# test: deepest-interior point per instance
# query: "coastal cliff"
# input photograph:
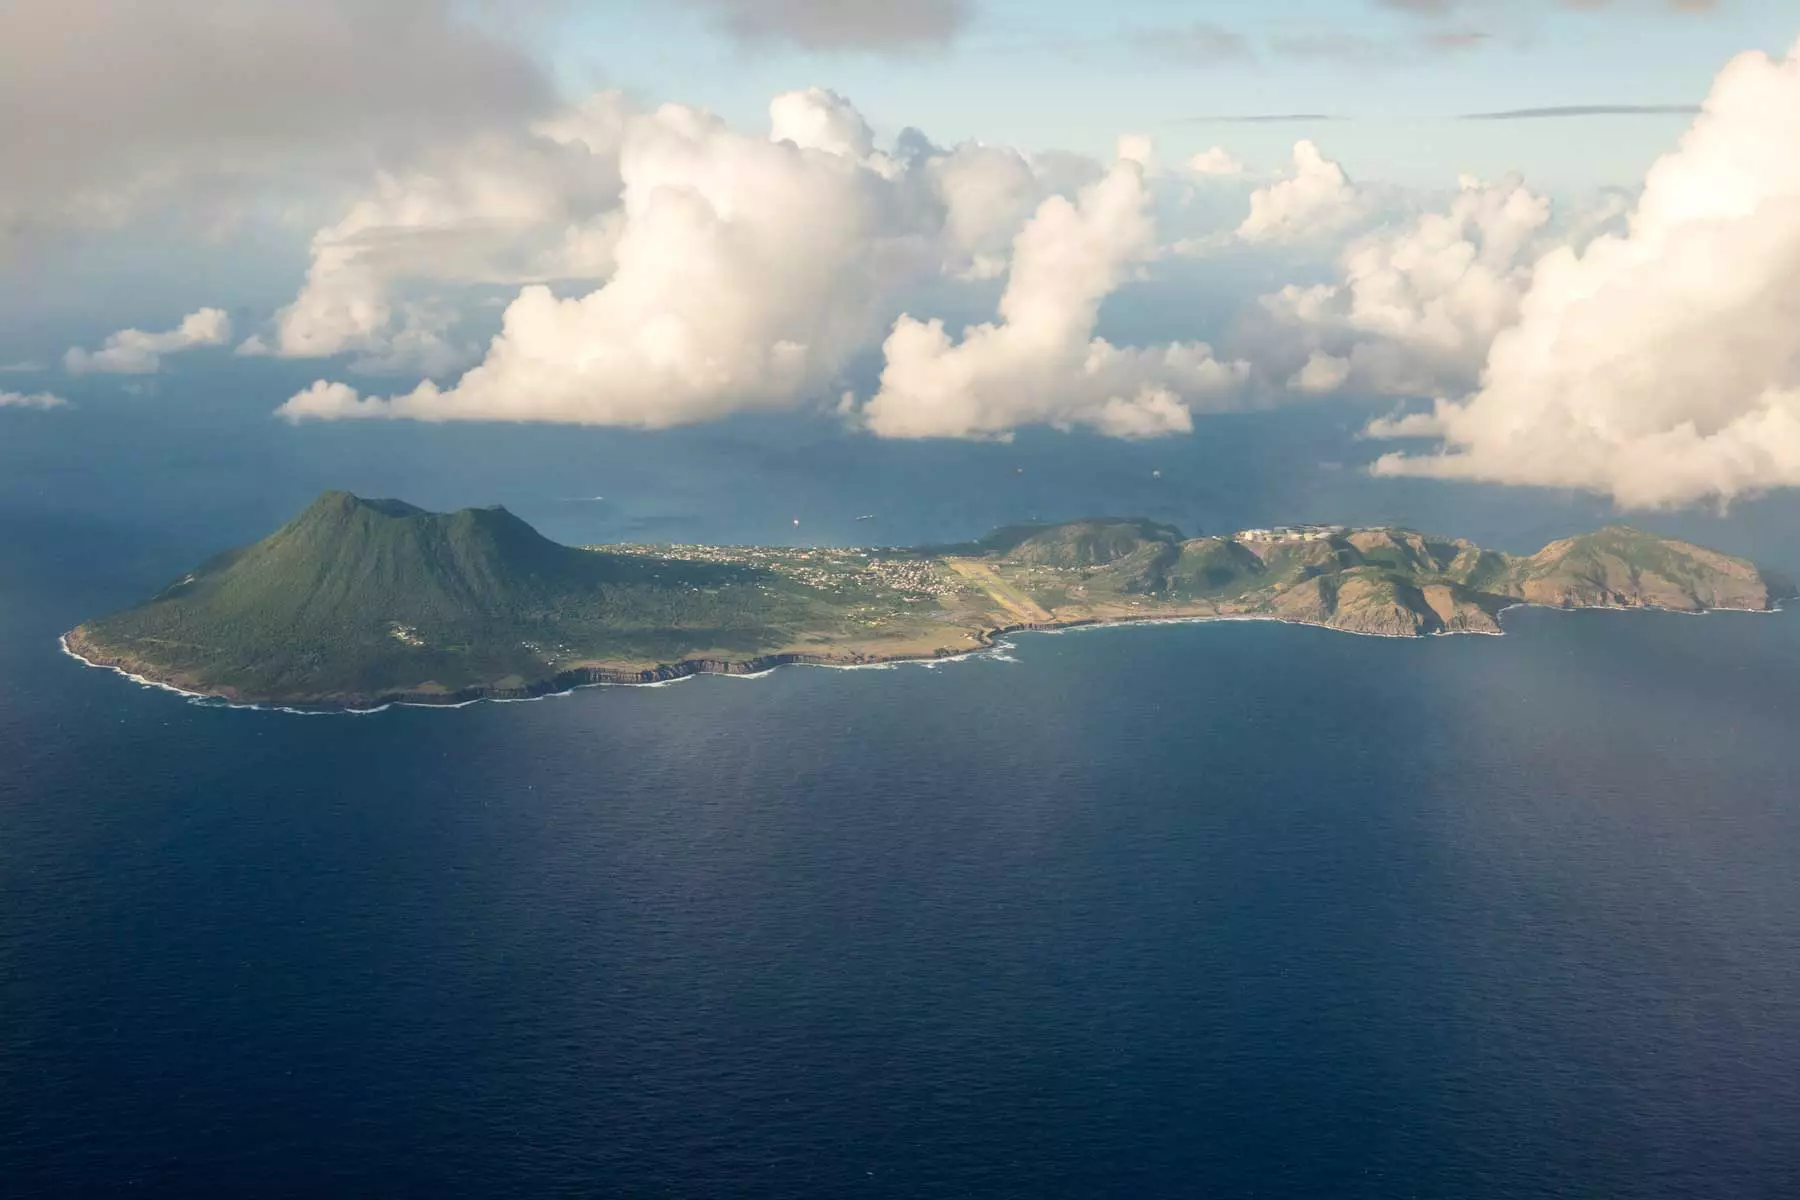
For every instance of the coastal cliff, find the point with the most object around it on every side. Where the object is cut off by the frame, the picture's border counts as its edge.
(77, 644)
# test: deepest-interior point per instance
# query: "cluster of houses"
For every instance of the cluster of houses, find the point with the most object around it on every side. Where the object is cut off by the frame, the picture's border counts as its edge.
(1292, 533)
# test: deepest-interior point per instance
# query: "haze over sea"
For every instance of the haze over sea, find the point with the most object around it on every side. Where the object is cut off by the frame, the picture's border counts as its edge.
(1193, 910)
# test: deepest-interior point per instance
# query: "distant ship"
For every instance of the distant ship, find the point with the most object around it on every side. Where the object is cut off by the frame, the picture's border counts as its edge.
(866, 517)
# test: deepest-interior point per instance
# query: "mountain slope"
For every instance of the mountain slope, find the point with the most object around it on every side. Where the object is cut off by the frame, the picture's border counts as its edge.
(1091, 542)
(1403, 583)
(1624, 567)
(356, 597)
(357, 601)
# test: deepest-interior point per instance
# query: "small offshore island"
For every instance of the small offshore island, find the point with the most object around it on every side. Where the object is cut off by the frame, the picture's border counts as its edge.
(357, 603)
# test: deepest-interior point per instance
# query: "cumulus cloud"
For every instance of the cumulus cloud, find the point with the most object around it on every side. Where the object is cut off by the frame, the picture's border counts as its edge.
(1661, 366)
(329, 401)
(498, 210)
(820, 119)
(826, 25)
(1138, 148)
(108, 104)
(747, 270)
(1041, 363)
(1419, 304)
(987, 193)
(1317, 199)
(31, 400)
(134, 352)
(1216, 161)
(1323, 372)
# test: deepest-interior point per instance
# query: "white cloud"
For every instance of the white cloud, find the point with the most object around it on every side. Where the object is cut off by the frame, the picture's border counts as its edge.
(328, 401)
(499, 210)
(988, 192)
(1322, 373)
(1216, 161)
(1316, 200)
(1138, 148)
(110, 104)
(819, 119)
(32, 400)
(1420, 303)
(1041, 364)
(747, 270)
(386, 278)
(1662, 366)
(134, 352)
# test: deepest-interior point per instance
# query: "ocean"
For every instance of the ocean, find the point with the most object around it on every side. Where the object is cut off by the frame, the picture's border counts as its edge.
(1192, 910)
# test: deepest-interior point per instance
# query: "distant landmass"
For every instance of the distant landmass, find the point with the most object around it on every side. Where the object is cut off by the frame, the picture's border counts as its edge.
(360, 602)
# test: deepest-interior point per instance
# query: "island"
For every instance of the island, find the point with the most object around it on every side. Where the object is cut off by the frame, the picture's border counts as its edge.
(358, 603)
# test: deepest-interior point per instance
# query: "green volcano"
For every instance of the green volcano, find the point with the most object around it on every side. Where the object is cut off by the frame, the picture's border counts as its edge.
(357, 598)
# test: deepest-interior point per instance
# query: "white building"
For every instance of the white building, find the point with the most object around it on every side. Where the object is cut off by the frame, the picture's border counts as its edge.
(1291, 533)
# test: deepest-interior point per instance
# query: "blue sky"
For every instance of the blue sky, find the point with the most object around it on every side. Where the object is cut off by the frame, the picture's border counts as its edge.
(1057, 73)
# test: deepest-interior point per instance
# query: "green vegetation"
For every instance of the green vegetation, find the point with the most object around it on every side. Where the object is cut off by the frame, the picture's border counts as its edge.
(1093, 542)
(359, 600)
(1214, 567)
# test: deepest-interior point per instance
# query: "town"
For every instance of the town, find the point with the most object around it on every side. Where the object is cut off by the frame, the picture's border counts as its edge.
(916, 578)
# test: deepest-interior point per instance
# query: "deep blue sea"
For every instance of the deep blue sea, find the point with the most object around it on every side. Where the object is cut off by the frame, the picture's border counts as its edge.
(1205, 910)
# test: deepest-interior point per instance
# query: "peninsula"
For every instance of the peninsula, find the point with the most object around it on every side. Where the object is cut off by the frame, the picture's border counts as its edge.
(360, 602)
